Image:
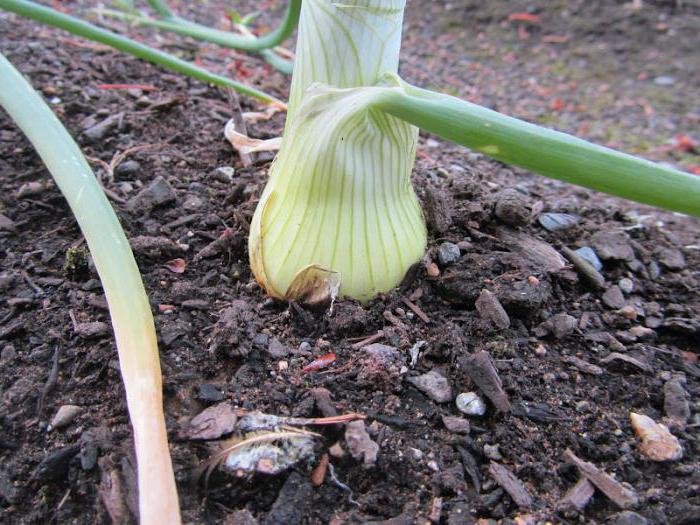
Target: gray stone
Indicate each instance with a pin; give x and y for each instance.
(458, 425)
(626, 285)
(65, 416)
(629, 518)
(471, 404)
(676, 402)
(448, 253)
(664, 80)
(613, 298)
(612, 245)
(359, 444)
(434, 385)
(558, 221)
(7, 224)
(8, 354)
(590, 256)
(512, 208)
(158, 193)
(102, 129)
(276, 349)
(492, 452)
(562, 325)
(671, 259)
(193, 203)
(209, 393)
(127, 169)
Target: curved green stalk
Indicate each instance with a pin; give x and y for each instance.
(160, 7)
(544, 151)
(84, 29)
(128, 305)
(262, 45)
(170, 22)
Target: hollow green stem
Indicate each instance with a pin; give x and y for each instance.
(544, 151)
(128, 305)
(160, 7)
(170, 22)
(84, 29)
(262, 45)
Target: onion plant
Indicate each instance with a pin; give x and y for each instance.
(128, 305)
(338, 213)
(339, 203)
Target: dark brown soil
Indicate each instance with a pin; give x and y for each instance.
(614, 74)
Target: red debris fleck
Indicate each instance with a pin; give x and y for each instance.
(166, 308)
(694, 169)
(317, 364)
(557, 104)
(142, 87)
(555, 39)
(524, 17)
(176, 265)
(684, 143)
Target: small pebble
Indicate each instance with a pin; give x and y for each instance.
(589, 255)
(8, 353)
(208, 393)
(432, 465)
(658, 444)
(664, 80)
(416, 454)
(540, 351)
(127, 169)
(492, 452)
(64, 416)
(434, 385)
(583, 406)
(628, 312)
(448, 253)
(471, 404)
(456, 424)
(511, 208)
(626, 285)
(558, 221)
(613, 298)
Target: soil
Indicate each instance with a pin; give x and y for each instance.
(560, 358)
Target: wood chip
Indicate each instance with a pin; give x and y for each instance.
(471, 467)
(319, 473)
(583, 366)
(212, 422)
(618, 494)
(616, 356)
(578, 496)
(511, 484)
(481, 370)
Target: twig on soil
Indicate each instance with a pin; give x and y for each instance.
(416, 310)
(50, 382)
(368, 340)
(37, 289)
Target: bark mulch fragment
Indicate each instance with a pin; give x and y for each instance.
(481, 370)
(511, 484)
(620, 495)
